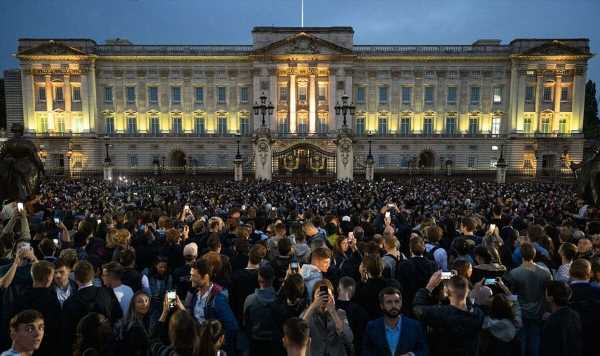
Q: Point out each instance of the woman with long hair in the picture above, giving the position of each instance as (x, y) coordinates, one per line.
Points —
(181, 328)
(94, 336)
(212, 337)
(133, 331)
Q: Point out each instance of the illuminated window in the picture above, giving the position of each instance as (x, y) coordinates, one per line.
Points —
(451, 95)
(283, 93)
(302, 94)
(406, 95)
(59, 124)
(283, 123)
(545, 124)
(131, 125)
(154, 125)
(322, 93)
(473, 125)
(428, 126)
(109, 125)
(130, 95)
(41, 94)
(562, 126)
(451, 125)
(221, 125)
(199, 123)
(76, 94)
(322, 126)
(405, 125)
(475, 95)
(564, 94)
(496, 125)
(382, 125)
(176, 95)
(302, 123)
(527, 125)
(452, 74)
(177, 125)
(42, 124)
(383, 95)
(476, 74)
(429, 95)
(497, 97)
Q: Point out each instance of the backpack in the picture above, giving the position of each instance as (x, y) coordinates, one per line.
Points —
(261, 321)
(387, 271)
(430, 255)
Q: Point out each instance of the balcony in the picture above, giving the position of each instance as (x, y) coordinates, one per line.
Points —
(66, 134)
(172, 134)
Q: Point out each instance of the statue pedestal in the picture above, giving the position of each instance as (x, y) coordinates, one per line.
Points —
(108, 173)
(344, 160)
(263, 155)
(156, 169)
(501, 172)
(370, 170)
(238, 174)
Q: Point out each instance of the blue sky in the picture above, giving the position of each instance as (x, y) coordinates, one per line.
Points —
(230, 21)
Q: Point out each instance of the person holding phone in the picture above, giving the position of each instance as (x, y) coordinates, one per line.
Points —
(330, 331)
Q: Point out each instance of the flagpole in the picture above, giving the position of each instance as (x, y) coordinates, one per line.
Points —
(302, 14)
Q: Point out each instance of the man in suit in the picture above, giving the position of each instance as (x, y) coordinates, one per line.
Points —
(86, 300)
(394, 334)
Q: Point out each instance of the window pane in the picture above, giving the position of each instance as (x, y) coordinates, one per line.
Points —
(428, 126)
(497, 95)
(58, 94)
(76, 94)
(547, 94)
(405, 126)
(474, 95)
(199, 126)
(496, 126)
(383, 95)
(360, 126)
(382, 126)
(199, 95)
(153, 95)
(244, 95)
(283, 93)
(451, 125)
(42, 93)
(529, 92)
(175, 95)
(429, 95)
(360, 95)
(564, 94)
(108, 95)
(221, 95)
(406, 95)
(451, 95)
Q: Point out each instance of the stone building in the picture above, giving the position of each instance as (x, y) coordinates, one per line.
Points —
(435, 107)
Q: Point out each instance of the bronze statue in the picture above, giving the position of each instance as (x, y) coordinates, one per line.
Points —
(20, 167)
(587, 174)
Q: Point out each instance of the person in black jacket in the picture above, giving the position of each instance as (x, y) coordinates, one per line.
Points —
(372, 283)
(561, 333)
(291, 302)
(131, 276)
(42, 298)
(87, 299)
(455, 327)
(357, 315)
(585, 300)
(414, 272)
(245, 281)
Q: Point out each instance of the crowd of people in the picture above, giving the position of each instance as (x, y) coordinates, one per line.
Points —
(179, 266)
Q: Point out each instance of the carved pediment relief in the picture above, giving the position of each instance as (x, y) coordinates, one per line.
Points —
(553, 48)
(303, 43)
(52, 48)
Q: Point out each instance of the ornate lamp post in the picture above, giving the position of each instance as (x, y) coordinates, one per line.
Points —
(163, 164)
(237, 163)
(370, 170)
(107, 161)
(344, 109)
(263, 108)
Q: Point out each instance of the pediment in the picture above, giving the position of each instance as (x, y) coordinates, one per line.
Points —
(52, 48)
(303, 43)
(553, 48)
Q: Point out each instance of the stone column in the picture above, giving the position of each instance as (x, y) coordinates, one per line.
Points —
(263, 155)
(49, 101)
(312, 105)
(333, 123)
(512, 108)
(539, 92)
(344, 159)
(67, 96)
(273, 93)
(29, 91)
(557, 94)
(292, 94)
(238, 174)
(85, 103)
(578, 99)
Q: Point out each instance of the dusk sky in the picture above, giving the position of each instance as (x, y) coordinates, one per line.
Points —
(230, 21)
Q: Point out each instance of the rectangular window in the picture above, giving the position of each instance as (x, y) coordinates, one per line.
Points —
(176, 95)
(406, 95)
(130, 93)
(451, 99)
(497, 96)
(451, 125)
(428, 126)
(383, 95)
(264, 85)
(131, 125)
(42, 94)
(340, 85)
(244, 126)
(527, 125)
(302, 94)
(529, 94)
(382, 126)
(562, 126)
(244, 95)
(546, 125)
(199, 95)
(133, 162)
(282, 125)
(58, 94)
(322, 93)
(152, 95)
(303, 125)
(471, 162)
(547, 94)
(222, 125)
(452, 74)
(360, 126)
(109, 125)
(155, 126)
(429, 74)
(474, 95)
(428, 95)
(496, 125)
(322, 126)
(108, 97)
(360, 95)
(283, 94)
(473, 125)
(199, 124)
(177, 127)
(564, 94)
(221, 95)
(476, 74)
(405, 126)
(381, 160)
(76, 94)
(59, 124)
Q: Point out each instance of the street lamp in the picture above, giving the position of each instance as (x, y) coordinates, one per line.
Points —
(107, 156)
(238, 155)
(345, 108)
(163, 164)
(263, 108)
(370, 155)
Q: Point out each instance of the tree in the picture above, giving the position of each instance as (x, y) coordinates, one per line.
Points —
(591, 125)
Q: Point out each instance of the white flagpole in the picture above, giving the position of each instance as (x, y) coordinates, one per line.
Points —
(302, 15)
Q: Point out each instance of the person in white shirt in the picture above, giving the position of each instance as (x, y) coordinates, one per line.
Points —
(567, 252)
(112, 273)
(63, 286)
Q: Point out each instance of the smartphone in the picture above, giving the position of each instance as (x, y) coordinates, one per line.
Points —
(273, 208)
(55, 242)
(387, 214)
(243, 207)
(56, 221)
(171, 298)
(186, 207)
(447, 275)
(489, 281)
(98, 221)
(323, 291)
(20, 206)
(390, 205)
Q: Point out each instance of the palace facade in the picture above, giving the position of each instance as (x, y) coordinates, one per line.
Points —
(172, 106)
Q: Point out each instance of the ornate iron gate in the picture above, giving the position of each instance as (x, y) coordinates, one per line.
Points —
(304, 159)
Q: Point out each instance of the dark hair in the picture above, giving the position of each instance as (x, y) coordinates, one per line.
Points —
(203, 267)
(373, 264)
(321, 253)
(213, 242)
(347, 283)
(25, 317)
(127, 257)
(559, 291)
(293, 287)
(93, 332)
(47, 247)
(296, 330)
(568, 250)
(501, 307)
(461, 267)
(284, 246)
(483, 253)
(388, 291)
(257, 253)
(61, 263)
(527, 251)
(468, 223)
(114, 269)
(417, 245)
(266, 273)
(460, 284)
(210, 333)
(580, 268)
(320, 283)
(184, 333)
(83, 271)
(41, 271)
